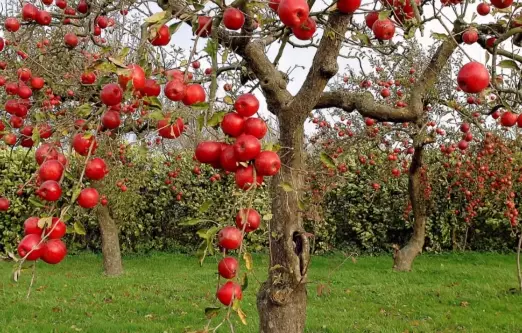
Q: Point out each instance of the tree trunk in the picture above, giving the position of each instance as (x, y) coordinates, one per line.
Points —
(281, 300)
(110, 242)
(403, 258)
(519, 271)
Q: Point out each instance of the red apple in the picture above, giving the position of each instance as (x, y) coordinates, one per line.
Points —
(88, 198)
(508, 119)
(194, 93)
(501, 4)
(227, 267)
(50, 190)
(252, 218)
(208, 151)
(204, 28)
(246, 105)
(4, 204)
(383, 29)
(293, 13)
(31, 247)
(111, 94)
(54, 251)
(12, 24)
(175, 90)
(247, 147)
(111, 119)
(230, 238)
(229, 292)
(31, 226)
(57, 230)
(473, 77)
(233, 18)
(348, 6)
(82, 143)
(162, 36)
(227, 159)
(245, 178)
(306, 30)
(233, 124)
(96, 169)
(256, 127)
(483, 9)
(267, 163)
(51, 170)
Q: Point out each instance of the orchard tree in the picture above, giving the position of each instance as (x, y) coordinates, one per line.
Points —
(88, 60)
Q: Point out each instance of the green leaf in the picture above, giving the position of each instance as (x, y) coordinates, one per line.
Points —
(244, 281)
(216, 118)
(79, 229)
(175, 27)
(190, 222)
(385, 14)
(76, 194)
(327, 160)
(201, 122)
(200, 106)
(156, 17)
(439, 36)
(154, 102)
(224, 56)
(212, 312)
(211, 48)
(124, 52)
(508, 64)
(287, 187)
(268, 217)
(205, 206)
(106, 67)
(36, 135)
(83, 110)
(36, 203)
(365, 40)
(411, 32)
(156, 115)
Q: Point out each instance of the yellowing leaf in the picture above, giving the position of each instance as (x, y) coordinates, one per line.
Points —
(44, 222)
(79, 229)
(242, 316)
(287, 187)
(228, 100)
(248, 261)
(156, 17)
(327, 160)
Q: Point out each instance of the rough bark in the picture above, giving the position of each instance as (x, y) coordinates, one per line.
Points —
(403, 258)
(282, 298)
(519, 271)
(110, 242)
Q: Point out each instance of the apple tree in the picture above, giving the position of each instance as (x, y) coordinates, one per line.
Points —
(81, 72)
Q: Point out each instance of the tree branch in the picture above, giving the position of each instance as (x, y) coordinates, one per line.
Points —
(366, 105)
(324, 65)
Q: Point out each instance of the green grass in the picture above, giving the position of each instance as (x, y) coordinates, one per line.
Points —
(168, 293)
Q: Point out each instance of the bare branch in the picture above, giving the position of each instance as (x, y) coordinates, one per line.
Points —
(366, 105)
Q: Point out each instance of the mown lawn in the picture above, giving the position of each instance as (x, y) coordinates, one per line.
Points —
(168, 293)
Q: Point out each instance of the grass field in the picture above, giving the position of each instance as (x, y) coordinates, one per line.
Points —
(168, 293)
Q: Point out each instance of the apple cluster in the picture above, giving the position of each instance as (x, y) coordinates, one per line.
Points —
(41, 242)
(245, 158)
